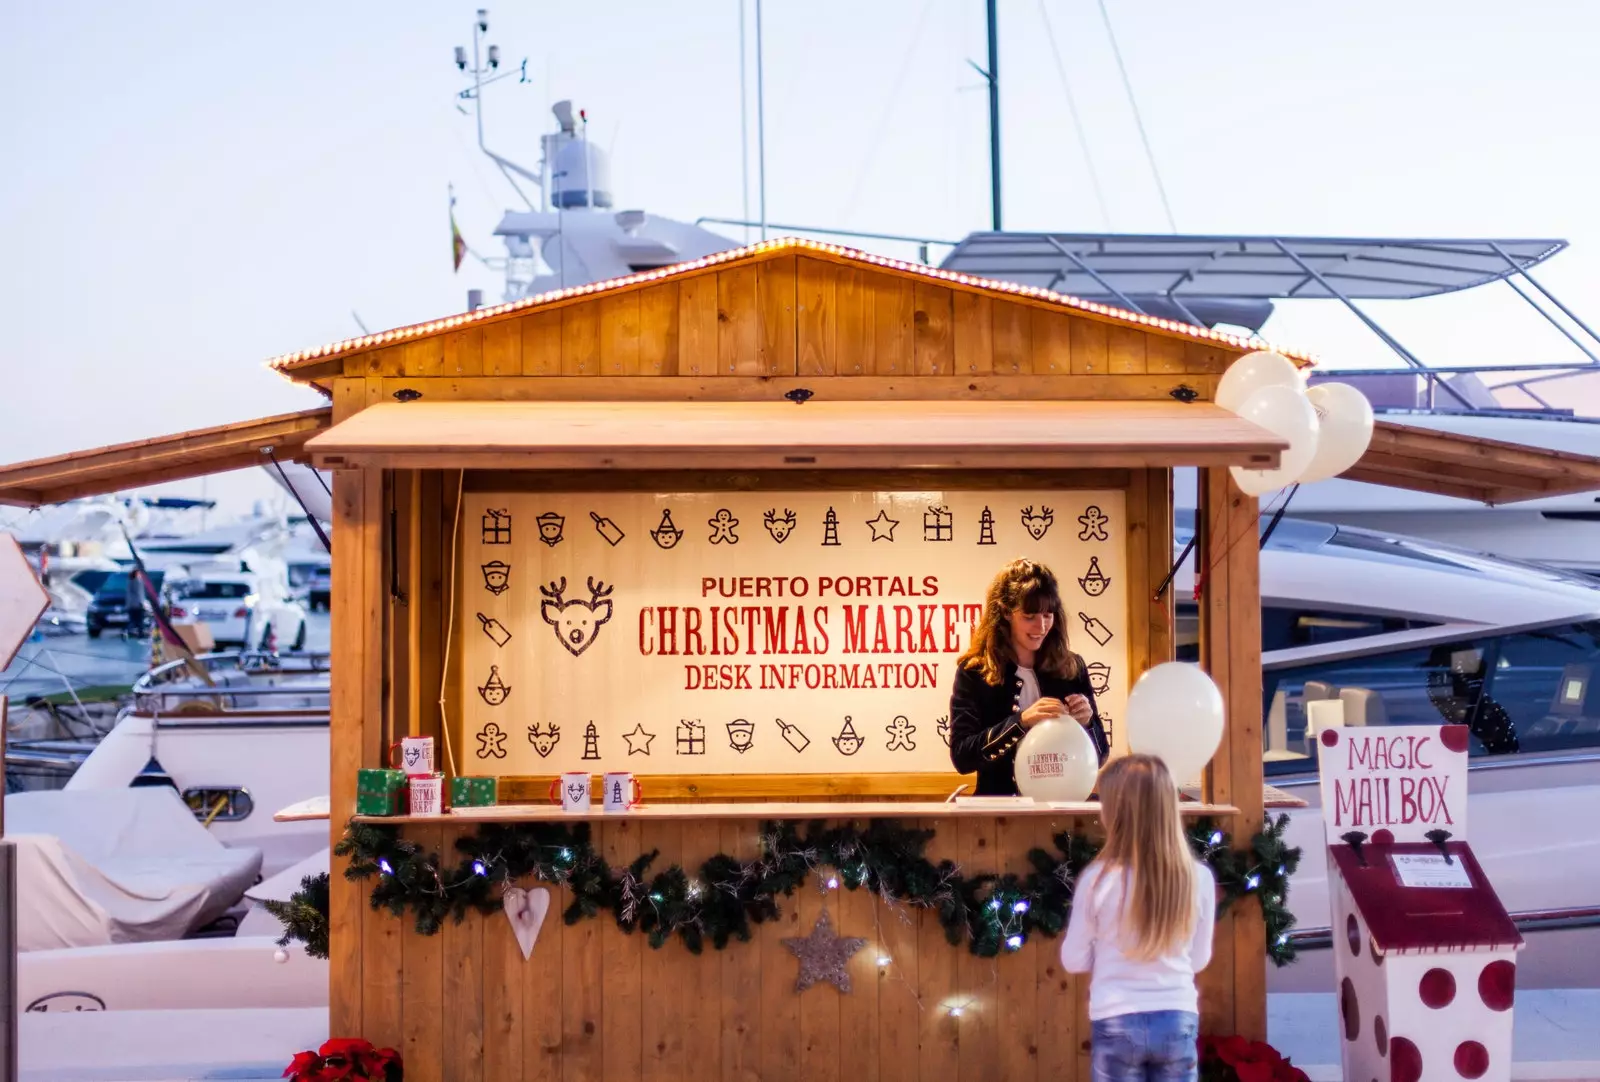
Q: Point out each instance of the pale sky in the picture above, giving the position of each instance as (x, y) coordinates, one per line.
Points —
(195, 187)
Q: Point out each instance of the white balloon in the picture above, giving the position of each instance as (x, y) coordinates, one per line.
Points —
(1057, 761)
(1344, 429)
(1175, 712)
(1283, 411)
(1252, 372)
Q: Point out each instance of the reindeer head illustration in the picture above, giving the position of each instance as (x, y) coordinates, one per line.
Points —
(544, 739)
(576, 622)
(1037, 525)
(778, 527)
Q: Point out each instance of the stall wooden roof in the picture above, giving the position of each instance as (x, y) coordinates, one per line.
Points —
(730, 292)
(781, 435)
(165, 458)
(1489, 471)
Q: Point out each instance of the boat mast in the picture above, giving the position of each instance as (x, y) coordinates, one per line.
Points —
(991, 75)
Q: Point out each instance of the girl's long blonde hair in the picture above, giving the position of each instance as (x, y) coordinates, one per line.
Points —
(1029, 587)
(1145, 841)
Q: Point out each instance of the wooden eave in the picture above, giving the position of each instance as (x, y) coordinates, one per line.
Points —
(177, 457)
(315, 366)
(1469, 467)
(770, 435)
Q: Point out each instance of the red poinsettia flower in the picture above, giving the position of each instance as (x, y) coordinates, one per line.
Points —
(304, 1067)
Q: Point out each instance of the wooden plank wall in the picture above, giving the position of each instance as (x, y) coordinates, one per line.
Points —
(594, 1002)
(1233, 988)
(801, 317)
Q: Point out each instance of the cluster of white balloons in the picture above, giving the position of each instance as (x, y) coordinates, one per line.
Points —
(1174, 712)
(1328, 427)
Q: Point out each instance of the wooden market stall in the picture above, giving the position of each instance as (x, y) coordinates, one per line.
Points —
(554, 521)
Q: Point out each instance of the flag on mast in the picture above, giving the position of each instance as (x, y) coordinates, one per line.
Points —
(458, 246)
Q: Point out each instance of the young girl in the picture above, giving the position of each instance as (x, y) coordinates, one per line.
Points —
(1141, 924)
(1018, 671)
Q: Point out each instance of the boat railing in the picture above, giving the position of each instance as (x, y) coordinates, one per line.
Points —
(235, 682)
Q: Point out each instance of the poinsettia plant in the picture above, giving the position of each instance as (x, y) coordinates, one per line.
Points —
(345, 1059)
(1234, 1059)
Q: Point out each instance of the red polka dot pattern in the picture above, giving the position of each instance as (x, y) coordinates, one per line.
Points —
(1329, 738)
(1437, 988)
(1405, 1061)
(1380, 1033)
(1454, 737)
(1352, 931)
(1383, 836)
(1349, 1010)
(1497, 985)
(1472, 1059)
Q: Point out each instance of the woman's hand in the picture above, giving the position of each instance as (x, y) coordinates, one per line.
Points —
(1043, 710)
(1078, 706)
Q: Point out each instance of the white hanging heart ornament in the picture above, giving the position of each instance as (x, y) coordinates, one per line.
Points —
(526, 909)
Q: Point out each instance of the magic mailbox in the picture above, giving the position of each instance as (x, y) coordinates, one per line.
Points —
(1425, 952)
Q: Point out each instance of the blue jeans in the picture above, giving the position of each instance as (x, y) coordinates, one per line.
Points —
(1153, 1046)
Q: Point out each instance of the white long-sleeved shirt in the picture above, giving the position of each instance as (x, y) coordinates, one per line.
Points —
(1118, 984)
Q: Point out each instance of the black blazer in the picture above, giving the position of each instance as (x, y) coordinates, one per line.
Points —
(986, 726)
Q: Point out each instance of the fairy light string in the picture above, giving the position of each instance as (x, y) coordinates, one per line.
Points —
(992, 914)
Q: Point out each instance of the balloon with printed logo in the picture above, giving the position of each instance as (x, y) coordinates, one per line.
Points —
(1175, 712)
(1252, 372)
(1057, 761)
(1344, 429)
(1286, 413)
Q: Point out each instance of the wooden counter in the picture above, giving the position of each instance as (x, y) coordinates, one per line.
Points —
(551, 813)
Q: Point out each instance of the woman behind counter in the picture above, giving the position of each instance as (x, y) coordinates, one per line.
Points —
(1018, 671)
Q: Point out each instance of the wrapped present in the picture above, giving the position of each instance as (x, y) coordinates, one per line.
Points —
(473, 792)
(391, 803)
(380, 782)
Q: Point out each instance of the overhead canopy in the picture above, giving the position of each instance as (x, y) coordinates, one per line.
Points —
(780, 435)
(1118, 266)
(1489, 471)
(166, 458)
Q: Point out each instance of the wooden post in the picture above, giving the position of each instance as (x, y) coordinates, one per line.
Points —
(1230, 650)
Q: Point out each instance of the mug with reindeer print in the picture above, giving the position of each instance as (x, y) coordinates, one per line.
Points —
(572, 790)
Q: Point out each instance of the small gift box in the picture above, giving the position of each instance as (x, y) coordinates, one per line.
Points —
(473, 792)
(380, 792)
(380, 781)
(381, 803)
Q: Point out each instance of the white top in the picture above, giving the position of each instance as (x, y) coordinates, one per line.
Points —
(1030, 688)
(1119, 985)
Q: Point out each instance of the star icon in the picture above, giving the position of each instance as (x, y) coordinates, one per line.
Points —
(823, 955)
(638, 740)
(883, 526)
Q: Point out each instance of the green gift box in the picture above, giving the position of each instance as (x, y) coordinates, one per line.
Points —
(391, 803)
(473, 792)
(380, 783)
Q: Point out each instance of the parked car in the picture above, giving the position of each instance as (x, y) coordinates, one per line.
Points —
(240, 612)
(110, 605)
(320, 594)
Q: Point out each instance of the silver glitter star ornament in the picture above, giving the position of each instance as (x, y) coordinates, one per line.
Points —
(823, 955)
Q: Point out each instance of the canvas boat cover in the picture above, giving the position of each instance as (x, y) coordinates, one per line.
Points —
(99, 866)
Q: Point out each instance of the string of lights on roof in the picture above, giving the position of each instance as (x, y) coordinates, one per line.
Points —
(422, 330)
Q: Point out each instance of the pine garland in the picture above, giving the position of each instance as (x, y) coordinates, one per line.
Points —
(992, 914)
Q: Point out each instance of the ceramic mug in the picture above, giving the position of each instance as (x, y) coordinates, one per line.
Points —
(622, 792)
(572, 790)
(413, 754)
(427, 794)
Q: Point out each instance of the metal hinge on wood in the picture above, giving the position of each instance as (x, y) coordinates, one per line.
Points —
(800, 395)
(407, 394)
(1184, 393)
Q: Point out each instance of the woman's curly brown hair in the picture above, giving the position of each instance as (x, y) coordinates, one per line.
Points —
(1031, 588)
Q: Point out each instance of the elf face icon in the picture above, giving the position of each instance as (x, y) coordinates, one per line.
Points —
(1094, 583)
(741, 734)
(848, 741)
(494, 691)
(666, 535)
